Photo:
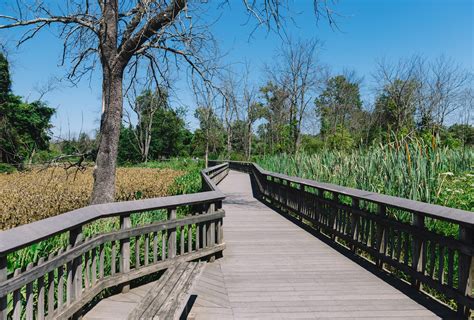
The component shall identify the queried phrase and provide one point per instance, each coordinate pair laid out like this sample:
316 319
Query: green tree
395 107
277 131
169 134
339 108
5 82
209 138
24 127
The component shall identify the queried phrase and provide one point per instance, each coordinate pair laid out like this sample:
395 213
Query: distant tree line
303 107
300 106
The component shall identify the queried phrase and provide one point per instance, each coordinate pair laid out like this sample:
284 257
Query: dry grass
29 196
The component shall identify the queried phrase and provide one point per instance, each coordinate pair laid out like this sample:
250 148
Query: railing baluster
101 261
87 264
113 258
172 234
399 245
465 270
381 234
74 267
189 228
181 242
418 248
137 252
29 296
60 284
40 302
147 248
155 247
3 277
94 266
163 245
432 259
450 267
198 231
125 223
220 234
354 222
51 289
17 304
441 265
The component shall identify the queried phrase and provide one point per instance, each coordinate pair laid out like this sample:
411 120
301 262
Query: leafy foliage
160 131
24 127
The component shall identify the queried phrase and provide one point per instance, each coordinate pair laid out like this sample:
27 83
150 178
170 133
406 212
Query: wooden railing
398 235
59 285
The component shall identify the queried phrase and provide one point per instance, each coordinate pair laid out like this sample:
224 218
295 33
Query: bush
6 168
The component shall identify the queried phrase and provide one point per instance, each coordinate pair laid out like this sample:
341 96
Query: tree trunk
106 162
207 152
249 141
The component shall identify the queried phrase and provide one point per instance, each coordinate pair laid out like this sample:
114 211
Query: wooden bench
169 296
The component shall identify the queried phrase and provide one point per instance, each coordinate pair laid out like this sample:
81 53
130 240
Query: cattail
407 151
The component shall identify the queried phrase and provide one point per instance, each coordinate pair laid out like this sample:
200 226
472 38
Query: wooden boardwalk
272 269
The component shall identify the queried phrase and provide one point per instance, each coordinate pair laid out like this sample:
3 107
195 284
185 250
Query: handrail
454 215
58 286
24 235
366 223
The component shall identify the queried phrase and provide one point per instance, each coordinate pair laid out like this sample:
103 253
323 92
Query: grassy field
33 195
37 194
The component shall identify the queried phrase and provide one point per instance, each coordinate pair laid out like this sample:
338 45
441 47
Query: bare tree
229 90
206 98
446 88
398 86
252 109
298 71
120 34
145 103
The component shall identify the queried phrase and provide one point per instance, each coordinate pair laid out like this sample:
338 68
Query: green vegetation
189 182
24 127
457 191
413 170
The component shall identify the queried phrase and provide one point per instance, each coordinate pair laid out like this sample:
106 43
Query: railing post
381 234
211 229
172 234
299 200
75 268
3 277
319 207
125 223
417 262
466 270
354 222
333 218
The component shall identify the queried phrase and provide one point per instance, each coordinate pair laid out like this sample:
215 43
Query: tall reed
413 170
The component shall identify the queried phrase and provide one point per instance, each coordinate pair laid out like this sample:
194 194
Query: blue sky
369 30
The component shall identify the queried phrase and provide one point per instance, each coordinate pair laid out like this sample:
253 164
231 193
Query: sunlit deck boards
272 269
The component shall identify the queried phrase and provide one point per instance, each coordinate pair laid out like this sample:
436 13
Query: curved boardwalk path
272 269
